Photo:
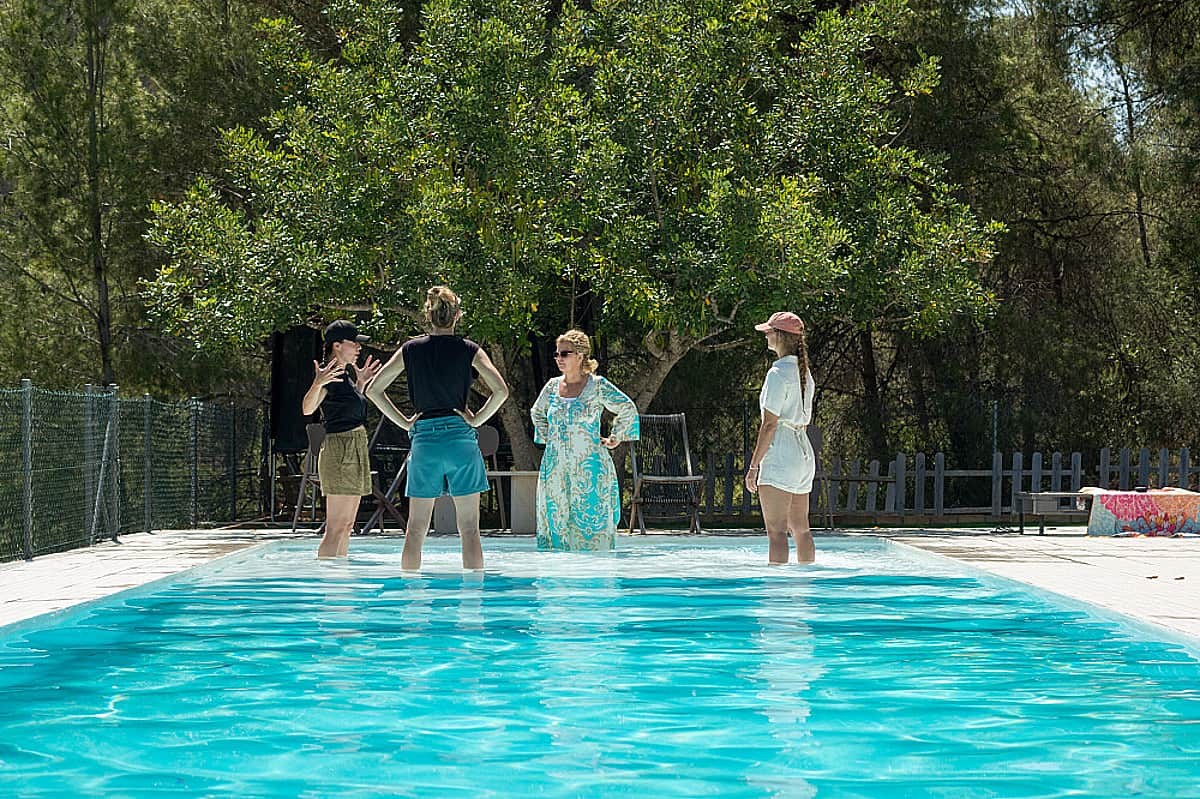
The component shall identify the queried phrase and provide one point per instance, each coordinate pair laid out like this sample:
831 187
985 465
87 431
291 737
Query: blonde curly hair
579 342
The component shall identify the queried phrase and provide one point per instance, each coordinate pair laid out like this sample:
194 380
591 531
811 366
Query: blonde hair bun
441 306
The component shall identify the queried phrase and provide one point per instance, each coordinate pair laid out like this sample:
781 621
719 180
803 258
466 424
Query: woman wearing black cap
343 467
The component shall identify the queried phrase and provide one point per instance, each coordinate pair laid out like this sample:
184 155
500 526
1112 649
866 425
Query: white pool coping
1155 580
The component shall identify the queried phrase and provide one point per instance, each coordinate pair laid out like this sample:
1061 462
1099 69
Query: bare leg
775 503
340 511
420 512
806 552
466 511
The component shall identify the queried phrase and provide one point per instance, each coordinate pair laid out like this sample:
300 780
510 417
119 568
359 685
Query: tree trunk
514 414
95 100
1135 159
643 386
876 435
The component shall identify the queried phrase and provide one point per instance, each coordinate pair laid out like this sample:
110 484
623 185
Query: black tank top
344 407
439 373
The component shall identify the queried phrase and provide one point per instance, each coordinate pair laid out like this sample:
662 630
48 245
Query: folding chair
383 447
489 444
661 461
310 478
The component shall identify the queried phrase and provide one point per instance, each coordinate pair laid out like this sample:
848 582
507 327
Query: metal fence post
194 405
266 467
89 463
27 462
116 462
233 462
147 463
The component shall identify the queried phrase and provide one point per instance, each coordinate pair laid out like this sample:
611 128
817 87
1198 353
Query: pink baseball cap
786 321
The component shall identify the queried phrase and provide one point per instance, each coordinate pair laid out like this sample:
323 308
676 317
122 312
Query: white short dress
790 463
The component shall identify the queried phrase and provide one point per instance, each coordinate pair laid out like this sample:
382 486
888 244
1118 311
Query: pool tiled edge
1154 580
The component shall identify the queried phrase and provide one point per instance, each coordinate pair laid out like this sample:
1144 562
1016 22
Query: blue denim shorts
445 459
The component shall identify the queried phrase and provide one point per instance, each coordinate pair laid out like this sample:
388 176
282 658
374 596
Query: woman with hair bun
783 464
445 458
578 501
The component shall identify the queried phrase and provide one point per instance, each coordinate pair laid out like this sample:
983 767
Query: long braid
802 364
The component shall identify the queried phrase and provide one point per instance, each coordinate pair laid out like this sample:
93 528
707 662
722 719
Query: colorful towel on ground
1161 512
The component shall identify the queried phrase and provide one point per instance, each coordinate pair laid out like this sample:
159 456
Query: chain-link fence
81 467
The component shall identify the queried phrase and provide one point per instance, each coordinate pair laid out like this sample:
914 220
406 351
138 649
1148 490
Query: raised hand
329 373
367 372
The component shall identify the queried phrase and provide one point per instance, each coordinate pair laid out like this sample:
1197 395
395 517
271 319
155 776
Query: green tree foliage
104 106
1068 122
687 164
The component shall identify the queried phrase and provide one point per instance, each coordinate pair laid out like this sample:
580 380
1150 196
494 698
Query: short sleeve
774 392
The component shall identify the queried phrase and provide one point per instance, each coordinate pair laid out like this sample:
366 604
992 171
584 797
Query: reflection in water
574 656
786 669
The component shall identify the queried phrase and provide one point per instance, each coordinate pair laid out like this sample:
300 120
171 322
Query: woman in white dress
783 464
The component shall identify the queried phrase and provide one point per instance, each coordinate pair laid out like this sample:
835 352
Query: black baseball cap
341 330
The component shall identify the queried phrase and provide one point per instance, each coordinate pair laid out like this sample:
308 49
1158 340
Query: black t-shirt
344 407
439 373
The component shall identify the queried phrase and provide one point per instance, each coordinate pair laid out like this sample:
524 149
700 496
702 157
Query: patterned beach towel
1162 512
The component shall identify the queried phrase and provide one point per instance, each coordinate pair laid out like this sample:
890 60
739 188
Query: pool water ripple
673 668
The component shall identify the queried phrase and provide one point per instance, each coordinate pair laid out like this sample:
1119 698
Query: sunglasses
563 353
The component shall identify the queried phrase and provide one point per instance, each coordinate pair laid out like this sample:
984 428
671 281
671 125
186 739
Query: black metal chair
663 476
310 479
489 445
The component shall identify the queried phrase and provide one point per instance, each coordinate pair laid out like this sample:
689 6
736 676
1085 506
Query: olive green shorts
343 465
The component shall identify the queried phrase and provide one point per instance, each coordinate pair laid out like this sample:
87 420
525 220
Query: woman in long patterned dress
578 501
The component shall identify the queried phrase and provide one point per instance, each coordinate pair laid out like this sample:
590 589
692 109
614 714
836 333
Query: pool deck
1156 580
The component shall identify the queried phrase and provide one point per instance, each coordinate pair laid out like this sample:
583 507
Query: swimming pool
673 668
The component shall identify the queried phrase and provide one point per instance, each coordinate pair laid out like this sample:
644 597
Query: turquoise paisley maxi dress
578 501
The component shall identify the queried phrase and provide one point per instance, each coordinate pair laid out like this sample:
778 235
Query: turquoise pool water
675 668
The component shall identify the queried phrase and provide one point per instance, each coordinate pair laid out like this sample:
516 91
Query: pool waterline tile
1133 576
